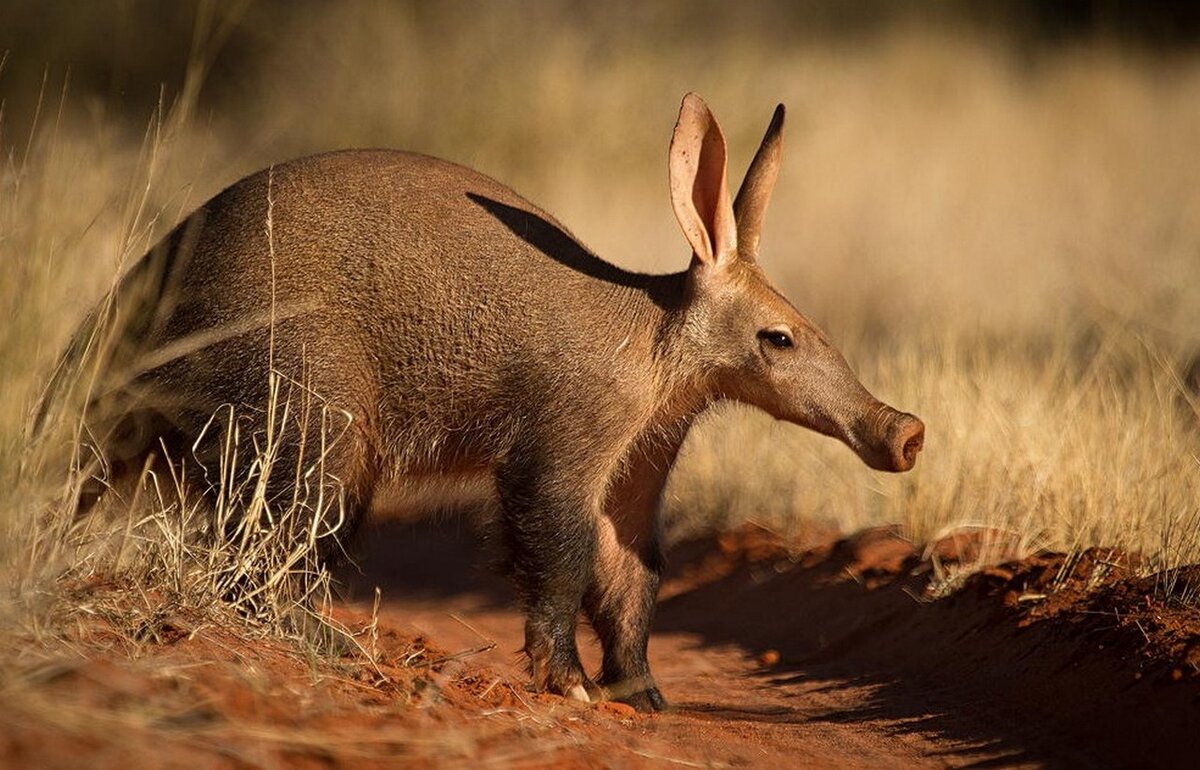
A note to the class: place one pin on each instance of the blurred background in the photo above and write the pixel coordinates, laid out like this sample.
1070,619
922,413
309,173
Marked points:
993,207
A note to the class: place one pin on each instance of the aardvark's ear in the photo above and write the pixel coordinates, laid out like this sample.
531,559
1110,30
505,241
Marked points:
750,207
699,191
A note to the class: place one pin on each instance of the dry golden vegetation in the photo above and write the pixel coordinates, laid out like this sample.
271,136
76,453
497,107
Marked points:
1002,243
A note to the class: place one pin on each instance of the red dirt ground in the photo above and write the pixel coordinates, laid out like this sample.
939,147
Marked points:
771,655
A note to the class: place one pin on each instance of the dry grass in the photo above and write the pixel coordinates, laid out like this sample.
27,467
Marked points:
155,560
1002,245
239,557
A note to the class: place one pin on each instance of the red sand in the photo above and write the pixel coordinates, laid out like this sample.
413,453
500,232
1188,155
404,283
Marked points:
832,656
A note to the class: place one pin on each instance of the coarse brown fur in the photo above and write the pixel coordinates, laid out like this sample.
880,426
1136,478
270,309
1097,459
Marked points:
454,328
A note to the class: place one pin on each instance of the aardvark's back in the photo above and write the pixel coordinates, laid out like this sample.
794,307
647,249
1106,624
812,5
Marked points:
409,291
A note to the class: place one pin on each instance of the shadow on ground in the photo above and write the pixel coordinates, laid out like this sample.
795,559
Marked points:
963,670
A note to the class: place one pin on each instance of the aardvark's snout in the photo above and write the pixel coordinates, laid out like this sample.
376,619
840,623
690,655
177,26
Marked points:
885,439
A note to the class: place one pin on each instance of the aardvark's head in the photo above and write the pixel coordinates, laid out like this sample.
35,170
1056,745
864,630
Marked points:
759,349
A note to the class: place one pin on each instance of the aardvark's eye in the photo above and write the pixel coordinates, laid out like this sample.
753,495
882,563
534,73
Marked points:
779,338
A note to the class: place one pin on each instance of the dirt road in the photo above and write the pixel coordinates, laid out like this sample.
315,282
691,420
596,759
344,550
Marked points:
772,655
825,659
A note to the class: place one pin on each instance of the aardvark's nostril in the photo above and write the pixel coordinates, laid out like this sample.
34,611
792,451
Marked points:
909,439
